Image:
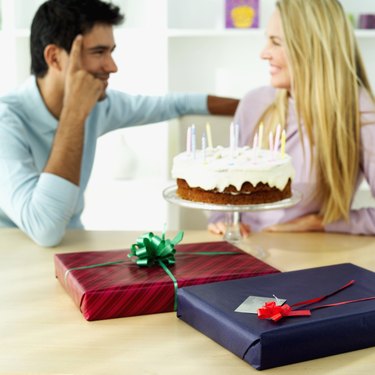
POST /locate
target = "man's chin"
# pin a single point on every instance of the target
(102, 97)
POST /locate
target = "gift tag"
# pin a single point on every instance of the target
(253, 303)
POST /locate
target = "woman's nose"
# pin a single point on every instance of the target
(265, 53)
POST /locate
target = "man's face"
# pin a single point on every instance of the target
(96, 55)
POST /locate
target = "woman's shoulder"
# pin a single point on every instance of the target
(262, 94)
(252, 106)
(366, 101)
(258, 99)
(366, 108)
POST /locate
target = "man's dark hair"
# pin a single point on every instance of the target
(60, 21)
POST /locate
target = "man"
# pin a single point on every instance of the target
(49, 127)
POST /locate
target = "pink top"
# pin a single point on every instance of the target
(362, 221)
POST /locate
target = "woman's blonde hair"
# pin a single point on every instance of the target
(326, 71)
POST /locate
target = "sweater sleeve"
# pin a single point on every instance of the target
(362, 221)
(130, 110)
(41, 205)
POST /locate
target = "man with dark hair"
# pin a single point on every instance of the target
(49, 127)
(60, 21)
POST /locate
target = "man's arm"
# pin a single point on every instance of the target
(42, 204)
(82, 92)
(222, 106)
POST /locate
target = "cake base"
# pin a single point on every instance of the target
(261, 193)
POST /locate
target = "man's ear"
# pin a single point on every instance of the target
(53, 56)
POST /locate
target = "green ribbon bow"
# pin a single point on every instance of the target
(152, 250)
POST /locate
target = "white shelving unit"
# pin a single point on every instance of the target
(164, 45)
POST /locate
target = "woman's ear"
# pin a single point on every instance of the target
(53, 55)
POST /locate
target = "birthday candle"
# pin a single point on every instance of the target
(231, 135)
(188, 139)
(236, 135)
(193, 140)
(204, 146)
(283, 139)
(231, 138)
(277, 137)
(270, 140)
(209, 135)
(255, 146)
(260, 136)
(255, 141)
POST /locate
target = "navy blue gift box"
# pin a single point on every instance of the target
(265, 344)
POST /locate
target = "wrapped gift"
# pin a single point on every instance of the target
(337, 314)
(107, 284)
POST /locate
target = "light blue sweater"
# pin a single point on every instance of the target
(43, 205)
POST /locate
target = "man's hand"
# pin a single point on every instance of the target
(308, 223)
(82, 89)
(220, 228)
(222, 106)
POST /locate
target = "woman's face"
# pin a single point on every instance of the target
(275, 53)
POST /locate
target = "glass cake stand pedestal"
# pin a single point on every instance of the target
(232, 233)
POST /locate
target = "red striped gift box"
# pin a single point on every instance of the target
(125, 289)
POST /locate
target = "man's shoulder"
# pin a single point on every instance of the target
(19, 101)
(10, 105)
(16, 96)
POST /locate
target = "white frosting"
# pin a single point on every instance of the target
(219, 167)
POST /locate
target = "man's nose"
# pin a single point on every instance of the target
(110, 65)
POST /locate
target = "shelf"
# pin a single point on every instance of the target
(196, 33)
(188, 33)
(365, 33)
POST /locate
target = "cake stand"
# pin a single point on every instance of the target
(232, 233)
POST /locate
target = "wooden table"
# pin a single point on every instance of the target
(43, 332)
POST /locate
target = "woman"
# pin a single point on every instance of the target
(321, 96)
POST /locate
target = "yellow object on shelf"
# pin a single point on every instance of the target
(241, 14)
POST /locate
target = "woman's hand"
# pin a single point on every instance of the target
(308, 223)
(220, 228)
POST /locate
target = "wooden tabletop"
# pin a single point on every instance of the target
(43, 332)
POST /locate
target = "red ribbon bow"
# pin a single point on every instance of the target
(275, 312)
(272, 311)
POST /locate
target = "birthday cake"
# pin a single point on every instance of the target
(226, 176)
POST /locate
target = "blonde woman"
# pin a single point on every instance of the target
(321, 95)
